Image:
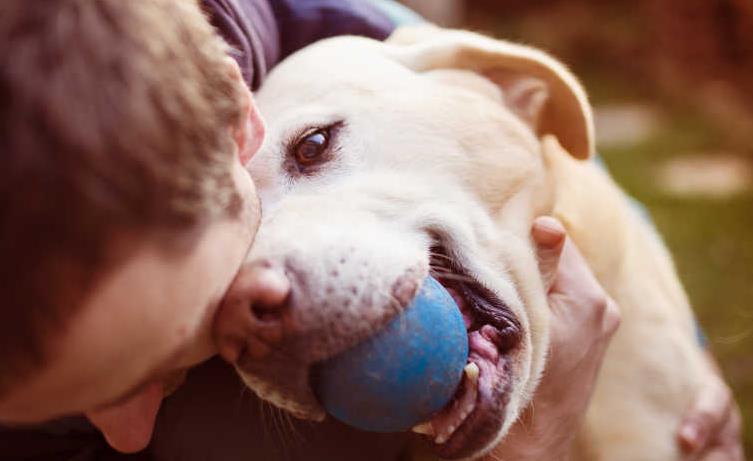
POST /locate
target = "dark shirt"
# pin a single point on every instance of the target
(263, 32)
(211, 417)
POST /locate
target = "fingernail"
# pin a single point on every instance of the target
(690, 435)
(547, 231)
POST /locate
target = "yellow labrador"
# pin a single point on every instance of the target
(433, 152)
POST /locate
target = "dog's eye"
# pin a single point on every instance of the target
(311, 147)
(308, 151)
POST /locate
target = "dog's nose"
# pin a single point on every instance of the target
(252, 318)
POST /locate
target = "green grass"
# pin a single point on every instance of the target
(710, 239)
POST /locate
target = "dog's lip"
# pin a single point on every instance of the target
(482, 425)
(494, 333)
(479, 305)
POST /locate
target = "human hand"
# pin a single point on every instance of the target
(710, 429)
(583, 320)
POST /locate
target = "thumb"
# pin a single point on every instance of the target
(549, 237)
(710, 410)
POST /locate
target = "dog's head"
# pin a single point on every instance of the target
(388, 161)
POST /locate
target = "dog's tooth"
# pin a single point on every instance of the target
(470, 407)
(460, 409)
(471, 371)
(446, 434)
(423, 428)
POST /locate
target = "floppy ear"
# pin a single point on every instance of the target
(535, 86)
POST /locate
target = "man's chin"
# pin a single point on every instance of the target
(128, 425)
(173, 382)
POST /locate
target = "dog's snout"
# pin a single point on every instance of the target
(340, 297)
(406, 286)
(347, 273)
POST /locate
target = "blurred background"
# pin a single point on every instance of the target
(672, 86)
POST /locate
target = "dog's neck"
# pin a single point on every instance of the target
(591, 207)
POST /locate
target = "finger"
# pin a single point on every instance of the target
(711, 409)
(727, 446)
(723, 454)
(549, 237)
(612, 317)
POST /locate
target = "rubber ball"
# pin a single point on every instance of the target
(403, 374)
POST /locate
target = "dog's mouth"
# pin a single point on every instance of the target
(474, 417)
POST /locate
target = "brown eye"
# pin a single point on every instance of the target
(312, 147)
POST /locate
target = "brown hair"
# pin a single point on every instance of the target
(115, 117)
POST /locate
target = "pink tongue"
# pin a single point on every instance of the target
(128, 426)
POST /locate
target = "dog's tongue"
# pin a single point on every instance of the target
(128, 426)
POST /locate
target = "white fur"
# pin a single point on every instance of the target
(428, 144)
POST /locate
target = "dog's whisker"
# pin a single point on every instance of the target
(280, 424)
(283, 423)
(397, 306)
(456, 277)
(439, 255)
(441, 264)
(269, 416)
(265, 423)
(283, 428)
(440, 273)
(441, 270)
(439, 267)
(293, 429)
(449, 273)
(494, 457)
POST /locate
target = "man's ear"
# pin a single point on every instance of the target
(249, 132)
(535, 86)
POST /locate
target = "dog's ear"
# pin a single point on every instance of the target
(537, 87)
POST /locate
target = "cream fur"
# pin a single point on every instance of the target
(433, 139)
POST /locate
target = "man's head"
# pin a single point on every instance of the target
(124, 207)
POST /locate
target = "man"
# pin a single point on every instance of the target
(126, 211)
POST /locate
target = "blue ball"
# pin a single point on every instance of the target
(405, 373)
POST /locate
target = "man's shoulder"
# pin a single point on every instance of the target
(66, 439)
(303, 22)
(261, 32)
(250, 28)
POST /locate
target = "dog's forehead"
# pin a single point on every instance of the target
(342, 57)
(333, 66)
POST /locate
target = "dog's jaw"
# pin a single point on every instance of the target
(380, 263)
(349, 276)
(500, 354)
